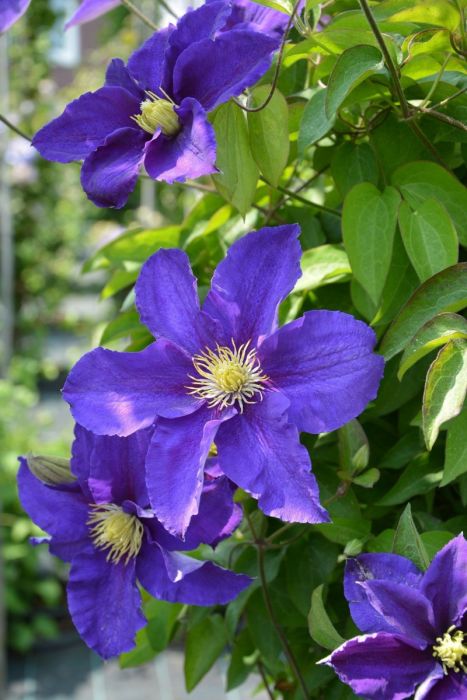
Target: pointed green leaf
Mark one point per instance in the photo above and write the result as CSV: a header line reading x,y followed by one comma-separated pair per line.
x,y
439,331
429,237
455,460
315,123
238,171
369,223
422,180
319,625
353,164
353,66
269,132
368,479
416,479
445,389
445,291
354,448
205,641
407,542
323,265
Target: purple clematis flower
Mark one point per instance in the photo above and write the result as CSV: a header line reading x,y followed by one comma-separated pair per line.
x,y
225,373
11,11
103,525
414,624
152,112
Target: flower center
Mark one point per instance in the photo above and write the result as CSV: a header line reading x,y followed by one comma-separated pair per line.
x,y
158,113
450,649
228,375
113,529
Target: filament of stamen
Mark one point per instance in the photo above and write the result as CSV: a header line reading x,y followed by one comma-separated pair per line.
x,y
228,375
450,650
116,531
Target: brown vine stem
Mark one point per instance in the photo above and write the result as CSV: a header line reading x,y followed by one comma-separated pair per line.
x,y
265,680
270,610
136,11
278,67
14,128
405,107
440,116
299,198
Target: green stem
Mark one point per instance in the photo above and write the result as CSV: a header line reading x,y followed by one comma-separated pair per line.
x,y
136,11
272,616
14,128
299,198
265,680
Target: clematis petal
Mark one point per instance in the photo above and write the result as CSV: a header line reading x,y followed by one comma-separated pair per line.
x,y
423,690
190,154
249,284
118,393
117,75
217,518
117,468
61,513
81,451
167,300
89,10
11,11
175,464
381,666
147,65
450,687
407,610
213,71
196,582
261,452
104,603
85,124
368,567
109,173
444,583
324,363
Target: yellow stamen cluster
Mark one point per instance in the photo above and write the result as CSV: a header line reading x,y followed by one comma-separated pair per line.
x,y
113,529
450,650
228,375
158,113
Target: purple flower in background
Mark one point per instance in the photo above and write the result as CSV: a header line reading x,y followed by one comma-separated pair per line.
x,y
414,624
152,112
11,11
103,525
91,9
225,373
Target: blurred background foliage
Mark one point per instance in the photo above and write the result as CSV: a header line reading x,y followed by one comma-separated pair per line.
x,y
374,179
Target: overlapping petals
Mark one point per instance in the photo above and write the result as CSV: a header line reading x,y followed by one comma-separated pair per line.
x,y
314,374
408,613
11,11
103,596
153,112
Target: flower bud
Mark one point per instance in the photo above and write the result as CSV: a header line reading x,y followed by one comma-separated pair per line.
x,y
52,471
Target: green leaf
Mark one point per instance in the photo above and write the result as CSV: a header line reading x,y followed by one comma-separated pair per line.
x,y
435,540
269,132
134,246
353,164
429,237
455,460
241,660
352,67
420,180
120,327
401,282
445,388
141,654
205,641
416,479
119,280
439,331
319,625
162,617
315,123
354,448
407,541
445,291
368,479
322,265
369,223
439,13
238,171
